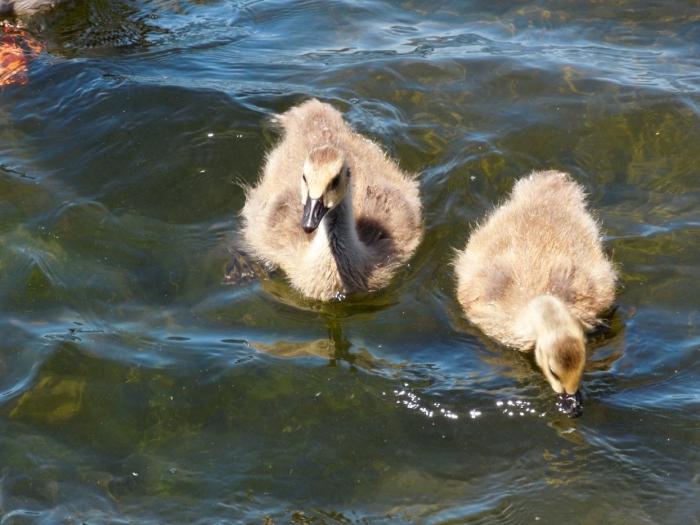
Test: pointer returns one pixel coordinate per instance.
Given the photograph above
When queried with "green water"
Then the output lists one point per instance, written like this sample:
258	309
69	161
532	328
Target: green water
136	387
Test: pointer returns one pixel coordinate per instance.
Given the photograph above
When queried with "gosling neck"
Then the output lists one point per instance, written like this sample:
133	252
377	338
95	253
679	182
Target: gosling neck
337	243
339	226
551	321
548	315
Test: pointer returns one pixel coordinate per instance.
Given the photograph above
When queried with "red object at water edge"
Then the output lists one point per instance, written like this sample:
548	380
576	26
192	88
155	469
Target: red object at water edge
17	49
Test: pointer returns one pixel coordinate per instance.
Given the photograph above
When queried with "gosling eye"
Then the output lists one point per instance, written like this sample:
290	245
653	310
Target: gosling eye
303	177
335	181
554	375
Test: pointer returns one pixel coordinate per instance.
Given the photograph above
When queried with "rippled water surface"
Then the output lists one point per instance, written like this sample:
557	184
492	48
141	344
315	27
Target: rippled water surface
135	387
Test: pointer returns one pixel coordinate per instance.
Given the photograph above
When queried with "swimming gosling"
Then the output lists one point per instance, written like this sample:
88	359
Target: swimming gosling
534	275
331	210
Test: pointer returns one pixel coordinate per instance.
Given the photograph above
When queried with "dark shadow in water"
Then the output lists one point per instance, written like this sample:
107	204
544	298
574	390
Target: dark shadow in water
242	268
13	172
92	25
355	304
341	347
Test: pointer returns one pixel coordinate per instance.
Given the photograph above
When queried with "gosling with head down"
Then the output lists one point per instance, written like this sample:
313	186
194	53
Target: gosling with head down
331	210
534	276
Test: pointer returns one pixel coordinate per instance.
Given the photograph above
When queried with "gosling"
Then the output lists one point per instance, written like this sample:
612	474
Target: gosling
330	209
534	276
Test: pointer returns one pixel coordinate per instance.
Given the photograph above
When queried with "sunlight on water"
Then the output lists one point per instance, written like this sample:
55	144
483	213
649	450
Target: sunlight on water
517	407
413	402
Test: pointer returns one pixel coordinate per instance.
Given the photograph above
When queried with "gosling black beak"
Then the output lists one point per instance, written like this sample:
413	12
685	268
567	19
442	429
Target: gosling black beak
571	405
314	210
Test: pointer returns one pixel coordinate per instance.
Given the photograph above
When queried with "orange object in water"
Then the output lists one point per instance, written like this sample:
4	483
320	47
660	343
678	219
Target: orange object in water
17	48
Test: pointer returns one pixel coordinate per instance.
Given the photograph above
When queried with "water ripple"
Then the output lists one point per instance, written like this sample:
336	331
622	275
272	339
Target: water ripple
134	386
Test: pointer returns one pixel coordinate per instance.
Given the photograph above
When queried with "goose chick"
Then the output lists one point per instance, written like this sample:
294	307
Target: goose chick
331	210
534	275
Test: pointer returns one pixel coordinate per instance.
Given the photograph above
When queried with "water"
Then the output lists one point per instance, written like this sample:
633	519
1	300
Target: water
136	387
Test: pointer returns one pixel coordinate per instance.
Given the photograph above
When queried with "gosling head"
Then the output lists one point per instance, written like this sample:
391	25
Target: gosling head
562	360
324	184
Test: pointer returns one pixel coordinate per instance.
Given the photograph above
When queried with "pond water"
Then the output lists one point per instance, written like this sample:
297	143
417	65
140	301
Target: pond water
136	387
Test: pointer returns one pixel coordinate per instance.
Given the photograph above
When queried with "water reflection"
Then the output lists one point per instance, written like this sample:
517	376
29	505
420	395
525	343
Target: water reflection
91	26
336	350
17	49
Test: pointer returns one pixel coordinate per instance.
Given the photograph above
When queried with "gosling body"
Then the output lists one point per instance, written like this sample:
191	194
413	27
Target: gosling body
534	275
331	209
